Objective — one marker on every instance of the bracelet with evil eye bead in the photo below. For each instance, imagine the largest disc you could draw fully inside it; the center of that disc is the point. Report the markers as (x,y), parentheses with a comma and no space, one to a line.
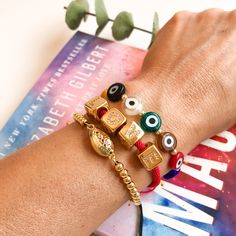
(129,133)
(149,122)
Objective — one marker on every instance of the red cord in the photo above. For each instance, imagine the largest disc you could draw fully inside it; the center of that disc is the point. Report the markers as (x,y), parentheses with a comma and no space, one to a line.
(156,175)
(140,145)
(101,112)
(156,179)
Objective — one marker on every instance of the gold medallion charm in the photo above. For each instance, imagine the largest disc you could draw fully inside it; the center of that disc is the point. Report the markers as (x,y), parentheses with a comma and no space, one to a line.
(101,142)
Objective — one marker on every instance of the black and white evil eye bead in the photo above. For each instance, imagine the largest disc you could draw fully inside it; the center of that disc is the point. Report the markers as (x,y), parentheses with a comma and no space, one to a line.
(132,106)
(167,142)
(115,92)
(150,122)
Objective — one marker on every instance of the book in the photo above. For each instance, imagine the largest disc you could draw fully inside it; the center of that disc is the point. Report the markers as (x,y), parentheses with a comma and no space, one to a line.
(199,201)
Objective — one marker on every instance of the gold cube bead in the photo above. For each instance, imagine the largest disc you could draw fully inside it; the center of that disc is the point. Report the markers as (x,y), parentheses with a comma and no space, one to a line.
(124,173)
(127,180)
(150,157)
(119,167)
(94,104)
(113,120)
(130,134)
(131,185)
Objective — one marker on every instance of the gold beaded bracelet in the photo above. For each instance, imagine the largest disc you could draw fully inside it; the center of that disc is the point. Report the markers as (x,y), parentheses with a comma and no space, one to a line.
(103,146)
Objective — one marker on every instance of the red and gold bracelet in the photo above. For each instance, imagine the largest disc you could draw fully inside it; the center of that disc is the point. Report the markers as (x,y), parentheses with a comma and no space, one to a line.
(129,133)
(149,122)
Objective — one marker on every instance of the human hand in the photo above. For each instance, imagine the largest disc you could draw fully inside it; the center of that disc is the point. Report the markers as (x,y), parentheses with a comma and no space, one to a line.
(189,75)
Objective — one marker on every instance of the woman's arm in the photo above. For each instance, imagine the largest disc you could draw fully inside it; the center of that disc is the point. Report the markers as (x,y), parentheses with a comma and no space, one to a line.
(59,186)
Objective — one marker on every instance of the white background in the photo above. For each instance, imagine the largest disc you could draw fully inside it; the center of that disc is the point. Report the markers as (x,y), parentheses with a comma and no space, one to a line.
(33,31)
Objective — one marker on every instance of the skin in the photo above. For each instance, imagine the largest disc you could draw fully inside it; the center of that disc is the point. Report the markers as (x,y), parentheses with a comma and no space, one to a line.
(58,185)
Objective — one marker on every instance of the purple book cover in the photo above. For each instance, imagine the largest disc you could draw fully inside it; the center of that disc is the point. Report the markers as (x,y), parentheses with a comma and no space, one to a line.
(200,201)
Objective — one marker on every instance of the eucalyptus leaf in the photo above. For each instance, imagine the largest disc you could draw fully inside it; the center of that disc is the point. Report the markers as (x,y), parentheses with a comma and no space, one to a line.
(76,11)
(99,29)
(101,15)
(123,25)
(155,28)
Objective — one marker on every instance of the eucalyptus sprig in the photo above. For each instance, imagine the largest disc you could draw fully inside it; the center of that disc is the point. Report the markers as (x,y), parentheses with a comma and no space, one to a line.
(122,25)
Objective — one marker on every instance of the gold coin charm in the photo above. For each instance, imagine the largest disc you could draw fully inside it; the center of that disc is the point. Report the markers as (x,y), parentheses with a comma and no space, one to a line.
(101,142)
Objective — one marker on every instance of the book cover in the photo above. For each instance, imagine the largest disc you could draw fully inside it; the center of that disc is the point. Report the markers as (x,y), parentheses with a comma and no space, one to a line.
(200,201)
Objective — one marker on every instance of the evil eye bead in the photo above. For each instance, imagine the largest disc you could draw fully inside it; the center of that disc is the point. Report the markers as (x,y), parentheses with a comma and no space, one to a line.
(167,142)
(132,106)
(115,92)
(150,122)
(176,161)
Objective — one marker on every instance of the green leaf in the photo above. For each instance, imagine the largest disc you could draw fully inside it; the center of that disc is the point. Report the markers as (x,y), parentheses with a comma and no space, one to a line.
(76,11)
(99,29)
(155,28)
(123,26)
(101,15)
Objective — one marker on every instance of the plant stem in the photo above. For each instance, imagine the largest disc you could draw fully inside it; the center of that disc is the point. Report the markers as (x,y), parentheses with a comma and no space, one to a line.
(137,28)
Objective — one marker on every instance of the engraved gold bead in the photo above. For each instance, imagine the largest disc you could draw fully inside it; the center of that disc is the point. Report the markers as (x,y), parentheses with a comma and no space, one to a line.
(94,104)
(131,185)
(150,157)
(127,180)
(124,173)
(113,120)
(119,167)
(130,134)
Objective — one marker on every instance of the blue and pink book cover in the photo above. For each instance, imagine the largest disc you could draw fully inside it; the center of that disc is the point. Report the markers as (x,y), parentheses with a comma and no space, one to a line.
(200,201)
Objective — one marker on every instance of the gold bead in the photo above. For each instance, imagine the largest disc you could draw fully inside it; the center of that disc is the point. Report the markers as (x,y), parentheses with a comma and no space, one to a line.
(136,198)
(150,157)
(101,142)
(131,185)
(124,173)
(119,167)
(130,134)
(159,132)
(79,118)
(174,152)
(124,96)
(137,203)
(104,94)
(94,104)
(127,180)
(113,120)
(133,191)
(136,195)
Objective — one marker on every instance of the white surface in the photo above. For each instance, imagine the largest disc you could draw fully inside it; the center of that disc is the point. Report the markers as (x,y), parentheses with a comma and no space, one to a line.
(33,31)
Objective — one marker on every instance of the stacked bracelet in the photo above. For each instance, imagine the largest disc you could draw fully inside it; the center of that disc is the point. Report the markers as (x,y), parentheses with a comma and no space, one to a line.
(129,132)
(103,145)
(149,122)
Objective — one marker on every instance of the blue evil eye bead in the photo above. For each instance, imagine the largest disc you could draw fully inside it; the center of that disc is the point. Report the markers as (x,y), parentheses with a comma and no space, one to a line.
(171,174)
(132,106)
(115,92)
(166,142)
(150,122)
